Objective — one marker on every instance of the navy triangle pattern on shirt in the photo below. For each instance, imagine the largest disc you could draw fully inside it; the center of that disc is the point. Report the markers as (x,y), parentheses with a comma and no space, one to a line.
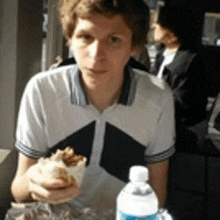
(120,152)
(81,141)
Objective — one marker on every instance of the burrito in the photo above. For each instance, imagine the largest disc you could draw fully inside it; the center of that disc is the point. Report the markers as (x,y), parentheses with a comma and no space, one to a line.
(65,165)
(75,164)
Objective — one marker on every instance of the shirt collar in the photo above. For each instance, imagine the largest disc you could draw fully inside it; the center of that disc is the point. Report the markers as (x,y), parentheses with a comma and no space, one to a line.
(79,97)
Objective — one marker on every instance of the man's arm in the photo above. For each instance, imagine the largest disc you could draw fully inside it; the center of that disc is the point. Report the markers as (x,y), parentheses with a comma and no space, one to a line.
(158,173)
(20,185)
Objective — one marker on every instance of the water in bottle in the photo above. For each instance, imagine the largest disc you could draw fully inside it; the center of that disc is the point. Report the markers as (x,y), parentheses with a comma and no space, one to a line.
(137,200)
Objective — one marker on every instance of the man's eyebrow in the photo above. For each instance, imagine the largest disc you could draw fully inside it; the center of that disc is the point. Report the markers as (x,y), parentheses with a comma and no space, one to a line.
(117,33)
(83,31)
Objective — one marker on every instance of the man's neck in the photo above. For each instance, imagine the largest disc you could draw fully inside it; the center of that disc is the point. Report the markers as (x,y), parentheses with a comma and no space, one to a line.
(171,48)
(105,96)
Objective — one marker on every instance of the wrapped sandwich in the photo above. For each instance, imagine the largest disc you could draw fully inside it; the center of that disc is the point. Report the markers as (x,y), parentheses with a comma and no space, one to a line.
(65,165)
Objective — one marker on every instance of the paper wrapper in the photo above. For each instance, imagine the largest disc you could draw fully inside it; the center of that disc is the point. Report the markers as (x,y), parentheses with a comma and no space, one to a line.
(78,171)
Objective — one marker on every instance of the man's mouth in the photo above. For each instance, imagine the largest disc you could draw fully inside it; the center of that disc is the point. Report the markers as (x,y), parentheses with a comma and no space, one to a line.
(97,71)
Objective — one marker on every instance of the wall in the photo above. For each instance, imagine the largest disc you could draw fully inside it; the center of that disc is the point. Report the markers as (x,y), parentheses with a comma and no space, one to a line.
(20,58)
(8,54)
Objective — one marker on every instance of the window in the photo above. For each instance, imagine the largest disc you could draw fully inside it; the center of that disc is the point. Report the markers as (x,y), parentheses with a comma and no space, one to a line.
(211,29)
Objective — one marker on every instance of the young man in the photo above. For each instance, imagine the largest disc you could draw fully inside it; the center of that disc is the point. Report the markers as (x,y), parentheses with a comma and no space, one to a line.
(105,110)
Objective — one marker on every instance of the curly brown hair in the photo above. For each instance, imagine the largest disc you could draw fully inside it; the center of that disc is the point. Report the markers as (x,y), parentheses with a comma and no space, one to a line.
(134,12)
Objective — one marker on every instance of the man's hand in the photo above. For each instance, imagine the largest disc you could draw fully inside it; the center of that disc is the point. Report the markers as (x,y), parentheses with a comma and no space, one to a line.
(50,190)
(30,184)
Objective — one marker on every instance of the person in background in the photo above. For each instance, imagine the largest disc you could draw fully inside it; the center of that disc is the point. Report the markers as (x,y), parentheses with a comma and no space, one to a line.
(114,115)
(181,64)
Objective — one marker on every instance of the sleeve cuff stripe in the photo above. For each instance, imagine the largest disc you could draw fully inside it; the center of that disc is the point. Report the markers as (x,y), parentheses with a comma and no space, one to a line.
(162,156)
(28,151)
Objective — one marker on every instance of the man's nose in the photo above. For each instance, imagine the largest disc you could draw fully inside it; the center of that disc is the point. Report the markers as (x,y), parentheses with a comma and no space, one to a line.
(97,50)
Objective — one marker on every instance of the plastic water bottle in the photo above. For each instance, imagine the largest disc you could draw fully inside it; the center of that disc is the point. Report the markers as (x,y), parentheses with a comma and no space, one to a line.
(137,200)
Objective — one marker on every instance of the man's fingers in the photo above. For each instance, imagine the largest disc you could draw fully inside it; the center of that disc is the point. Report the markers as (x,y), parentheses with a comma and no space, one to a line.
(69,196)
(49,183)
(39,192)
(37,197)
(49,189)
(55,196)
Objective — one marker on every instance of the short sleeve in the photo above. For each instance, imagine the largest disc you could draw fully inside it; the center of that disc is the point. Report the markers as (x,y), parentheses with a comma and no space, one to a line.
(162,144)
(30,132)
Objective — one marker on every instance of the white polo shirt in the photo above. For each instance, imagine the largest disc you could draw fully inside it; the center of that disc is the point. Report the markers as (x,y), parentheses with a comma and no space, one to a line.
(138,129)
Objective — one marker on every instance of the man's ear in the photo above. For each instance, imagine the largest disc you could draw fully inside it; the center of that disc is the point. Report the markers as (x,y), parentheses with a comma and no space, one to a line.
(172,38)
(135,50)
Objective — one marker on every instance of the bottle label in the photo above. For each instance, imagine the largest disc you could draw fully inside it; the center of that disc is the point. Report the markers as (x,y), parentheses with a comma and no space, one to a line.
(123,216)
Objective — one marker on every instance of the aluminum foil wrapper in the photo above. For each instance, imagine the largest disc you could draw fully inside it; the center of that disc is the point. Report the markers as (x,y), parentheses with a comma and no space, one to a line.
(46,211)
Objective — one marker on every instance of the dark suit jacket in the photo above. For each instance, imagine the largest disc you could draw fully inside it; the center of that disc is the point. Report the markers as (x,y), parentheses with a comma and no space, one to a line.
(187,78)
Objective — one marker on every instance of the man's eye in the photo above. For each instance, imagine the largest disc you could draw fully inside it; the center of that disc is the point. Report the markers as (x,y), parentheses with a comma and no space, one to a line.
(114,40)
(85,37)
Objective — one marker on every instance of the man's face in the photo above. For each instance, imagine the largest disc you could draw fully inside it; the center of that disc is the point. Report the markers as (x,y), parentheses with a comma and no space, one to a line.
(164,35)
(160,33)
(102,48)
